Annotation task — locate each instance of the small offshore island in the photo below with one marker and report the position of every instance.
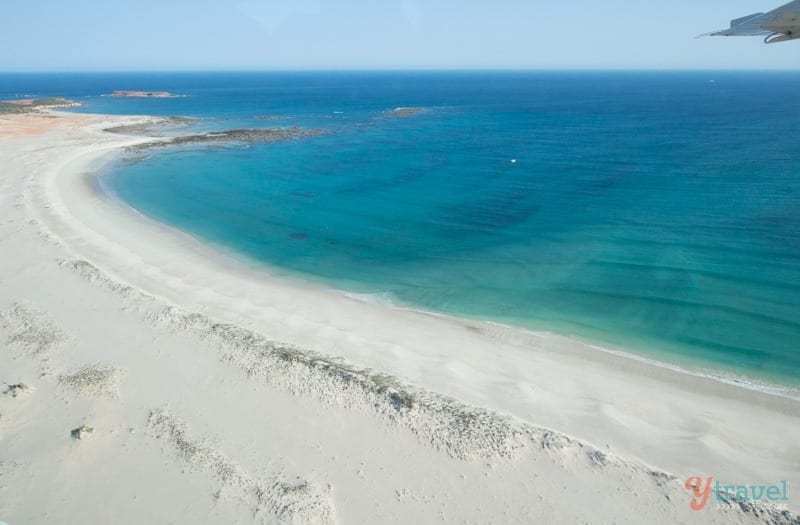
(144, 94)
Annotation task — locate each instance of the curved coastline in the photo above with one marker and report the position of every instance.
(231, 260)
(617, 401)
(223, 259)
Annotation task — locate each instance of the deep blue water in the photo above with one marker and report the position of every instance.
(656, 211)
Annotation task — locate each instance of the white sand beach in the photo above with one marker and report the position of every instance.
(217, 393)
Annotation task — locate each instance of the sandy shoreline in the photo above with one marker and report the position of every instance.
(365, 413)
(227, 261)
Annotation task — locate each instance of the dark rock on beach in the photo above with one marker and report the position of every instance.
(82, 432)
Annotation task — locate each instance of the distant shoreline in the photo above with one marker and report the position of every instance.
(25, 105)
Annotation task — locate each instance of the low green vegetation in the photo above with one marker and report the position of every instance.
(50, 101)
(7, 108)
(24, 106)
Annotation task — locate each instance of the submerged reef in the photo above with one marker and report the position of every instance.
(153, 128)
(248, 136)
(406, 112)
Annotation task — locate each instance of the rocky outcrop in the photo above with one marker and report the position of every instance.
(248, 136)
(143, 94)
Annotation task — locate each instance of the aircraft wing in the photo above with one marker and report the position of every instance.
(778, 25)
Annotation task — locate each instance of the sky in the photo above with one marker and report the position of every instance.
(195, 35)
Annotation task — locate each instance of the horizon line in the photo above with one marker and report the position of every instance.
(402, 70)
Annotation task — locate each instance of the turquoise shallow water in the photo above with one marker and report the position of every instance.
(658, 212)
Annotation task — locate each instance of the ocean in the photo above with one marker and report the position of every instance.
(655, 212)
